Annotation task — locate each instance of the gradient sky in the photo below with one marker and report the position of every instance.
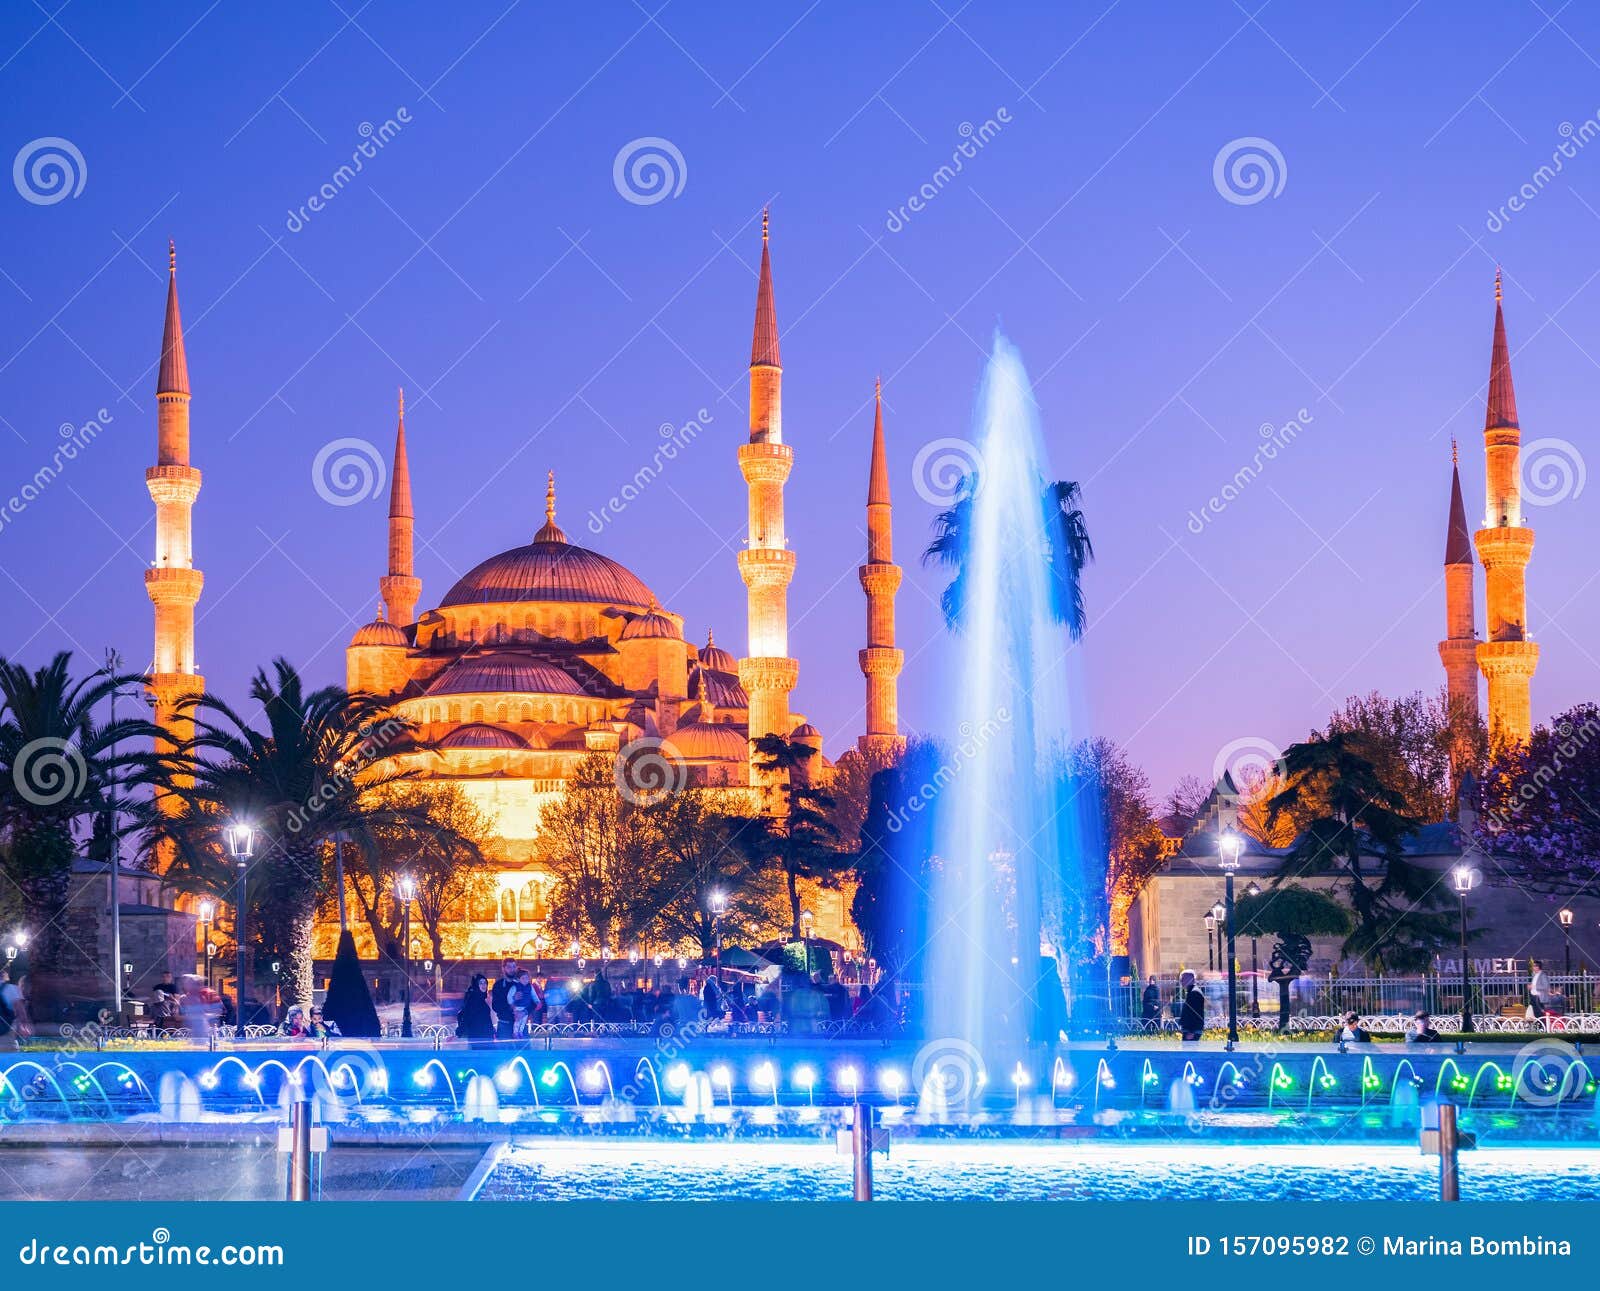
(486, 260)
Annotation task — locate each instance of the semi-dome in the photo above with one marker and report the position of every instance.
(480, 735)
(653, 625)
(380, 632)
(550, 569)
(716, 740)
(805, 731)
(503, 671)
(715, 657)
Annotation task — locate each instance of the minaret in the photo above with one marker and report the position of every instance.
(1459, 650)
(401, 587)
(1506, 656)
(766, 564)
(172, 581)
(880, 580)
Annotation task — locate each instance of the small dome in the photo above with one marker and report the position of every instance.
(503, 671)
(480, 735)
(717, 659)
(715, 740)
(380, 632)
(652, 626)
(806, 731)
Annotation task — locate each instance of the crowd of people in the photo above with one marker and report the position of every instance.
(518, 1002)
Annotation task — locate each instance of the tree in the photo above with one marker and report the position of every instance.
(1538, 807)
(436, 837)
(1184, 804)
(58, 767)
(1352, 814)
(1410, 742)
(895, 864)
(851, 789)
(804, 840)
(699, 857)
(1293, 914)
(314, 769)
(595, 845)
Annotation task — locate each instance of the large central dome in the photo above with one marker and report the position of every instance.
(550, 571)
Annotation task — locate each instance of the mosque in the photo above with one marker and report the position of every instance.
(547, 653)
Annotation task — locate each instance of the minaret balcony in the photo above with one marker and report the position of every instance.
(766, 566)
(1508, 658)
(882, 661)
(880, 580)
(768, 673)
(168, 484)
(1504, 545)
(765, 462)
(173, 585)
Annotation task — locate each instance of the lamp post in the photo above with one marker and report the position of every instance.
(1565, 916)
(1228, 848)
(112, 668)
(1462, 877)
(719, 906)
(407, 889)
(1218, 917)
(1211, 941)
(207, 910)
(807, 919)
(241, 838)
(1254, 889)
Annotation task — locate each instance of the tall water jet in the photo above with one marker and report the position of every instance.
(1001, 899)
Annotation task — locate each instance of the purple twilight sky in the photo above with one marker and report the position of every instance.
(542, 315)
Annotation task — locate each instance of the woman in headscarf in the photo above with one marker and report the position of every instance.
(474, 1021)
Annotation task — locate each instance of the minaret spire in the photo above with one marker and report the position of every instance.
(1459, 650)
(880, 577)
(172, 582)
(766, 564)
(550, 531)
(400, 587)
(1507, 658)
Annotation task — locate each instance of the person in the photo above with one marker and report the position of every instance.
(838, 999)
(13, 1013)
(534, 997)
(1150, 1006)
(1192, 1013)
(199, 1013)
(1420, 1029)
(1539, 989)
(505, 1016)
(711, 998)
(164, 1007)
(474, 1021)
(685, 1007)
(1352, 1032)
(321, 1028)
(520, 996)
(295, 1026)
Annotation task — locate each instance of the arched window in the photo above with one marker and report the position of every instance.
(508, 906)
(534, 904)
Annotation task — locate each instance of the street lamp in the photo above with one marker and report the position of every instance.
(207, 912)
(407, 889)
(1253, 889)
(1462, 877)
(719, 906)
(1565, 916)
(1211, 940)
(1218, 914)
(1228, 848)
(241, 839)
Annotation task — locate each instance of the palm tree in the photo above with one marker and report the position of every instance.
(1349, 812)
(1067, 549)
(58, 765)
(805, 841)
(313, 770)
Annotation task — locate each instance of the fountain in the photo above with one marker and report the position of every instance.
(481, 1101)
(1000, 831)
(178, 1097)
